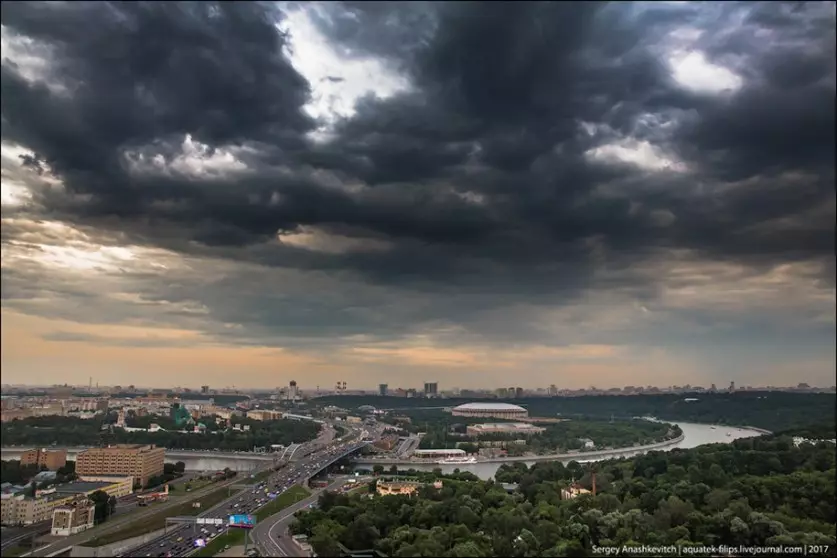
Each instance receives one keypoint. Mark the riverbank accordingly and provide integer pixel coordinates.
(569, 456)
(693, 435)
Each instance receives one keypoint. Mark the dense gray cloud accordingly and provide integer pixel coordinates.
(498, 183)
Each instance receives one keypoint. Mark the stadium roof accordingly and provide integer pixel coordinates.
(489, 407)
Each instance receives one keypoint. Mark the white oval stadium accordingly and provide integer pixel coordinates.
(490, 410)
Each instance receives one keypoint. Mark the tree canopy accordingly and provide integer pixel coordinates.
(755, 491)
(71, 431)
(771, 410)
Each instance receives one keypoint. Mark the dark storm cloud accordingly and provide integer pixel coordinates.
(477, 178)
(103, 341)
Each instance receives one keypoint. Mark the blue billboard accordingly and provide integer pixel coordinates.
(242, 521)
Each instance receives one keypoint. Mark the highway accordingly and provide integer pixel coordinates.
(116, 523)
(269, 535)
(180, 540)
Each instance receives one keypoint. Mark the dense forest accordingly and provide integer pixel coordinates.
(771, 410)
(442, 430)
(755, 491)
(71, 431)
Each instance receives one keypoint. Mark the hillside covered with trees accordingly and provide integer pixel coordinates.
(442, 430)
(71, 431)
(756, 491)
(771, 410)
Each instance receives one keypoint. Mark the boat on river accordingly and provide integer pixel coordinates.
(457, 461)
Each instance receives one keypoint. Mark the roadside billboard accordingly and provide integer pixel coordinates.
(242, 521)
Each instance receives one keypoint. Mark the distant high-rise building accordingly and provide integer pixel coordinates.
(553, 390)
(732, 386)
(293, 391)
(382, 389)
(518, 392)
(343, 386)
(712, 388)
(204, 389)
(431, 389)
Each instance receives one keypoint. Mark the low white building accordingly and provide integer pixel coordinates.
(521, 428)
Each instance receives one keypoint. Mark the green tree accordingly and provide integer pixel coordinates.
(103, 508)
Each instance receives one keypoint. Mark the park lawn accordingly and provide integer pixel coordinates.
(231, 537)
(195, 485)
(291, 496)
(158, 520)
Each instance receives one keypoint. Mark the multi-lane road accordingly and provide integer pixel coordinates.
(117, 523)
(269, 535)
(181, 540)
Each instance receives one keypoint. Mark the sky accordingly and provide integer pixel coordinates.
(476, 194)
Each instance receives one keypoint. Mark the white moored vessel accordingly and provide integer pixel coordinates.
(457, 460)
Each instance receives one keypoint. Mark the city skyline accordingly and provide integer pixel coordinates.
(393, 390)
(600, 194)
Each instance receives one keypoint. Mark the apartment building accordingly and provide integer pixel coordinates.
(17, 509)
(51, 459)
(73, 517)
(264, 414)
(138, 461)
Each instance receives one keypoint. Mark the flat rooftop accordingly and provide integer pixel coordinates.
(81, 487)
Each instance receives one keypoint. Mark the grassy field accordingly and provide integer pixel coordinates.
(232, 537)
(158, 520)
(291, 496)
(193, 485)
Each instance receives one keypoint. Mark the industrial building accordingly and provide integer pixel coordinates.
(116, 486)
(139, 461)
(490, 410)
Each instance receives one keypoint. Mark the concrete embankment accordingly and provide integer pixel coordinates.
(585, 455)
